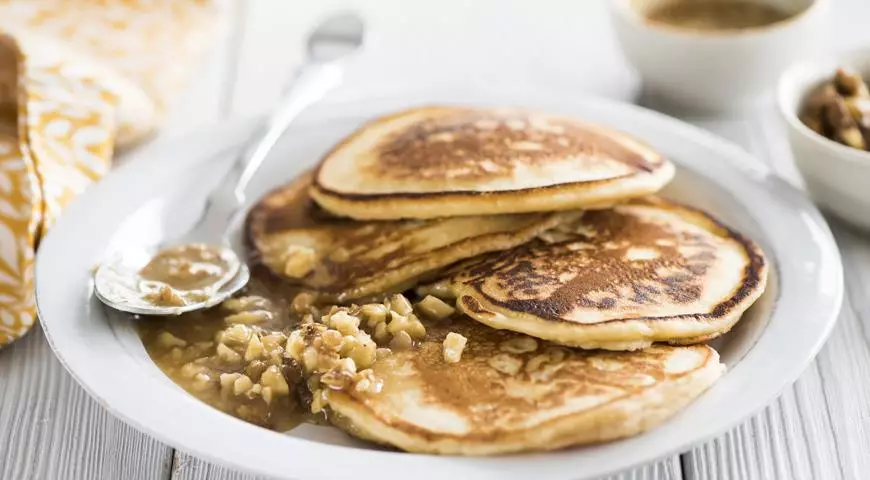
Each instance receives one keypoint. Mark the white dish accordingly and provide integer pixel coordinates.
(715, 70)
(766, 352)
(837, 176)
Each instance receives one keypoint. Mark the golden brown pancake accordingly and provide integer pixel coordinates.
(449, 161)
(620, 279)
(350, 259)
(511, 393)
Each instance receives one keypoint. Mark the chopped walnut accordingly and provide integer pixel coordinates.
(375, 313)
(176, 354)
(536, 362)
(401, 341)
(274, 379)
(435, 308)
(242, 385)
(243, 304)
(310, 359)
(400, 304)
(416, 329)
(504, 363)
(268, 394)
(201, 381)
(227, 354)
(168, 340)
(249, 317)
(164, 296)
(345, 323)
(364, 350)
(336, 355)
(255, 369)
(273, 342)
(298, 261)
(522, 344)
(850, 84)
(348, 343)
(839, 109)
(555, 236)
(333, 340)
(366, 382)
(255, 348)
(440, 290)
(228, 380)
(557, 354)
(237, 334)
(255, 390)
(295, 346)
(409, 324)
(454, 344)
(382, 353)
(381, 335)
(303, 302)
(319, 400)
(337, 379)
(398, 323)
(190, 369)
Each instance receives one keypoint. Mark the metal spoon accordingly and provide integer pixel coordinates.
(116, 281)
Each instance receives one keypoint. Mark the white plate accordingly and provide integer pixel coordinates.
(766, 352)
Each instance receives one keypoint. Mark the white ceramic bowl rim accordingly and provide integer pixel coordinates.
(790, 114)
(630, 14)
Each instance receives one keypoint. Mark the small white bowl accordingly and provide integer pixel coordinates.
(715, 70)
(837, 176)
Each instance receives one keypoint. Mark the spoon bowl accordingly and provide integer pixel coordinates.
(118, 281)
(106, 290)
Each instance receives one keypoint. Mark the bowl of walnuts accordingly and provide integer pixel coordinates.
(825, 105)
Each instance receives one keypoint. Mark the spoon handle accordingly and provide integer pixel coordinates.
(310, 84)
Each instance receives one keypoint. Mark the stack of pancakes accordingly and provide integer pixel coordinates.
(584, 298)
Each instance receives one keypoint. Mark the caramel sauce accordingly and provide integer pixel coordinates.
(186, 267)
(185, 274)
(193, 342)
(717, 14)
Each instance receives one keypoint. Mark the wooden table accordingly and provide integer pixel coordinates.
(818, 429)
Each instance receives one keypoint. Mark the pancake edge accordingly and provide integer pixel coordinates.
(637, 332)
(616, 419)
(596, 194)
(410, 274)
(614, 335)
(590, 194)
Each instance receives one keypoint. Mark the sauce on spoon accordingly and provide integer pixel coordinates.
(185, 274)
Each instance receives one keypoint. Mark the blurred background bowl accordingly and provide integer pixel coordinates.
(837, 176)
(715, 70)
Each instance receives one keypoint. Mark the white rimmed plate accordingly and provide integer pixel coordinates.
(767, 351)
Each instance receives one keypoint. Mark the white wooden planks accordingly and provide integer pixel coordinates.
(845, 361)
(820, 427)
(187, 467)
(798, 437)
(51, 429)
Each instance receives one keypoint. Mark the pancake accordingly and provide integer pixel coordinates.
(344, 260)
(620, 279)
(444, 161)
(505, 395)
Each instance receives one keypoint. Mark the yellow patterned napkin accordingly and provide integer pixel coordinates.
(78, 78)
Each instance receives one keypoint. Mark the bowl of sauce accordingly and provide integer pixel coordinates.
(716, 15)
(715, 55)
